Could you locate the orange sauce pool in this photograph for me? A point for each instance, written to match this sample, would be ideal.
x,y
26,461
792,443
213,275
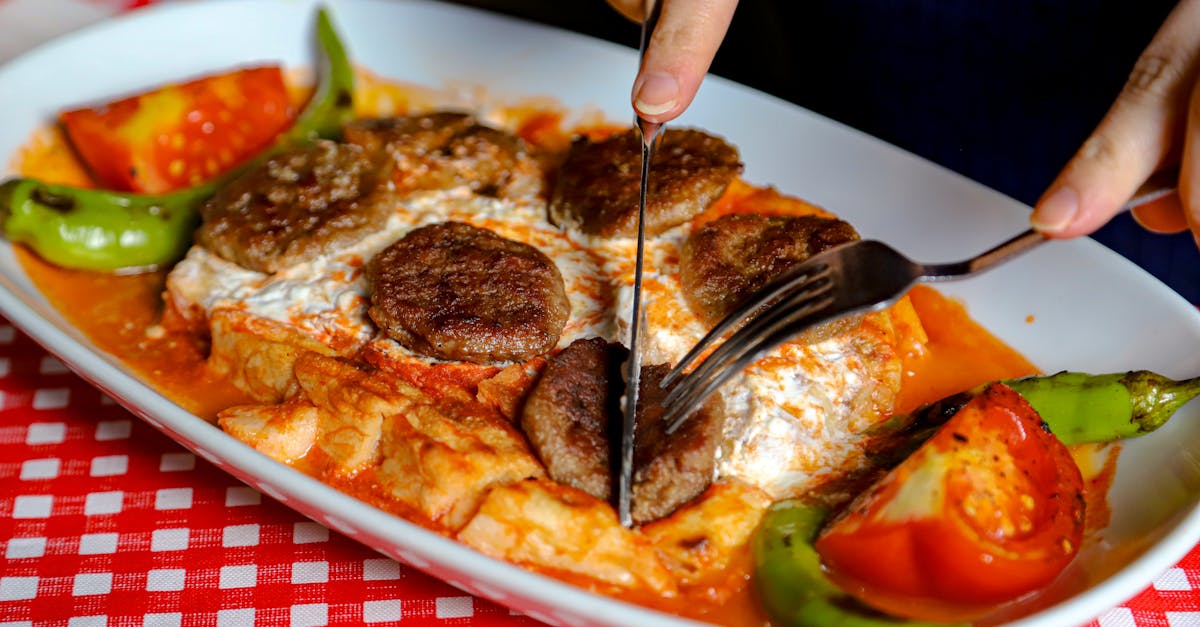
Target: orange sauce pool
x,y
959,354
122,315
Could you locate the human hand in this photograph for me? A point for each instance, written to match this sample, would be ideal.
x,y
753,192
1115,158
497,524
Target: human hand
x,y
678,55
1154,123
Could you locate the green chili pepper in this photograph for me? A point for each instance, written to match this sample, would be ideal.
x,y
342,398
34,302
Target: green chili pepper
x,y
1084,408
125,232
99,230
791,584
1078,407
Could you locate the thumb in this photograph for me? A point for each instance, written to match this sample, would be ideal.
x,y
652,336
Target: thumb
x,y
679,53
1138,134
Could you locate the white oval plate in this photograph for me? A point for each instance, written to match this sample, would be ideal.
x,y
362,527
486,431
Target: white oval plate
x,y
1068,305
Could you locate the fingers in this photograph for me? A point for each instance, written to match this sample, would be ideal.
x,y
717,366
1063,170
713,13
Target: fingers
x,y
679,54
1138,135
1189,171
1164,216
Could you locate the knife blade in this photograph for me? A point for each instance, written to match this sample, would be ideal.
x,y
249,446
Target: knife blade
x,y
649,132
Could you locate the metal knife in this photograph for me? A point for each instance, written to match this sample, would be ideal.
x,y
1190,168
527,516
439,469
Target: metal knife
x,y
633,366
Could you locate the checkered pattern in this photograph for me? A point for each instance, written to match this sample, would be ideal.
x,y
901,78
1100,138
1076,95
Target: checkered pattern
x,y
1172,600
104,521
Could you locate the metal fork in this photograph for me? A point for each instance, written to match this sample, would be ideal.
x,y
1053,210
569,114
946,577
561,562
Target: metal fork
x,y
857,277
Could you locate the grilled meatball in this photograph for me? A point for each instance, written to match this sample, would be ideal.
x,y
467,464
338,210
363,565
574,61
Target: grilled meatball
x,y
728,259
567,414
457,292
299,205
445,150
573,415
670,470
597,187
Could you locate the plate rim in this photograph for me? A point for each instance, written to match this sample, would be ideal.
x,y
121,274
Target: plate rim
x,y
89,363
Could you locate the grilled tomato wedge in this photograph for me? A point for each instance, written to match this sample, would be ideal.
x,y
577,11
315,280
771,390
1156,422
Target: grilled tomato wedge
x,y
180,135
988,509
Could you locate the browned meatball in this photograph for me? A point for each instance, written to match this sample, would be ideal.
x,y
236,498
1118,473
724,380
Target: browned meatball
x,y
445,150
573,417
597,187
567,414
728,259
457,292
299,205
670,470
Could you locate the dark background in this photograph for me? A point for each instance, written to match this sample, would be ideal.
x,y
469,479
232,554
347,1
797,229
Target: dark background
x,y
1002,91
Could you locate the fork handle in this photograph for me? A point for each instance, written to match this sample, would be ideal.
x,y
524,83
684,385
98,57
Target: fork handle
x,y
984,260
1157,186
1005,251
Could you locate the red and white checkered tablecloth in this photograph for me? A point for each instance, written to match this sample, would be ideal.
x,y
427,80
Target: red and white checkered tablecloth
x,y
106,522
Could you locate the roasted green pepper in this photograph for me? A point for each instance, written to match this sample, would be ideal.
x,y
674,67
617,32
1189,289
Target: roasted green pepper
x,y
1083,408
791,584
1078,407
124,232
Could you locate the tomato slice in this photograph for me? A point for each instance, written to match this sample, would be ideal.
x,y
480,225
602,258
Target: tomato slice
x,y
988,509
180,135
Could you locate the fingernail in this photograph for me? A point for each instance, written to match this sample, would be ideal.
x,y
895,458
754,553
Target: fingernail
x,y
1056,211
656,93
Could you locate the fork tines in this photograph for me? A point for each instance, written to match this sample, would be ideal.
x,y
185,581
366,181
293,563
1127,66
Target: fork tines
x,y
772,316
